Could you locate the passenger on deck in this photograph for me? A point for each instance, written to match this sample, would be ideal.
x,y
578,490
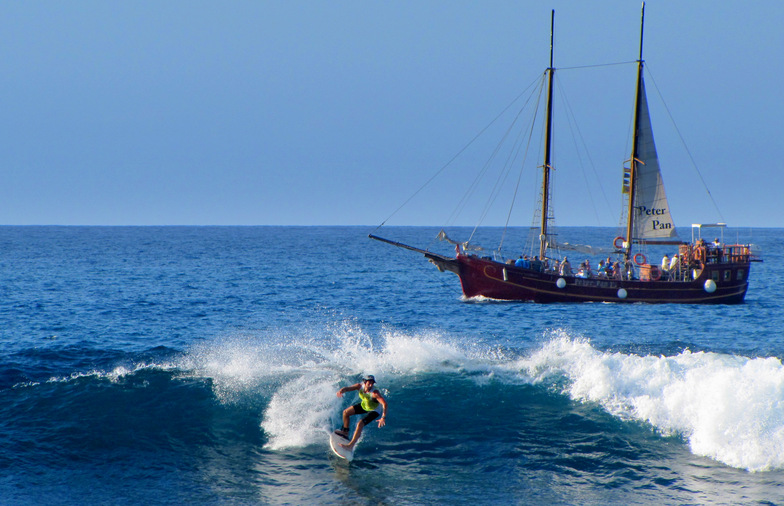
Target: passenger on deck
x,y
536,264
601,271
718,251
585,270
617,274
674,264
566,267
665,265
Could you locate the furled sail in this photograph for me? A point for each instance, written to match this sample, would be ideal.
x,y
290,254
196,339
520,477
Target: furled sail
x,y
652,219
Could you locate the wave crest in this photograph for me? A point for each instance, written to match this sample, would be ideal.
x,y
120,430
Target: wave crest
x,y
729,408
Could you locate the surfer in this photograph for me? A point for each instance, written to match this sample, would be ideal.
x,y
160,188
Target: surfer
x,y
370,400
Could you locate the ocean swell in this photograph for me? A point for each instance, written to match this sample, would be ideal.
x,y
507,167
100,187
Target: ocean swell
x,y
728,408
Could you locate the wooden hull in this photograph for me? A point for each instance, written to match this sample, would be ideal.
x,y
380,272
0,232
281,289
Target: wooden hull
x,y
487,278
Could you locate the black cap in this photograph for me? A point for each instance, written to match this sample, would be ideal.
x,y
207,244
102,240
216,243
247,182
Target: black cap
x,y
369,377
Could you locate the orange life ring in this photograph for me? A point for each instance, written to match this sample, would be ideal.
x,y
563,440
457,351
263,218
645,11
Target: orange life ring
x,y
699,253
655,273
637,256
619,238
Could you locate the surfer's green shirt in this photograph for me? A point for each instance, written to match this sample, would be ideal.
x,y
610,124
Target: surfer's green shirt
x,y
368,403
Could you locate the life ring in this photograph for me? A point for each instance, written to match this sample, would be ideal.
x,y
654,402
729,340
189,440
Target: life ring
x,y
655,273
699,254
637,257
619,238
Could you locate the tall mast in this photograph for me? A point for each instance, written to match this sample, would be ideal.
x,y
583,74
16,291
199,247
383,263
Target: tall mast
x,y
547,141
635,156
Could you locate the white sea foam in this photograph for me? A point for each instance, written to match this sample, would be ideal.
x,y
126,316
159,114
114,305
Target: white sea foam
x,y
302,372
728,408
306,406
300,411
115,375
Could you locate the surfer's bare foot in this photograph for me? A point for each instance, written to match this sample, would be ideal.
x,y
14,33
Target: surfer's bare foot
x,y
347,447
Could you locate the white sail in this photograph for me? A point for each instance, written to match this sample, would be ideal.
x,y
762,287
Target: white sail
x,y
652,219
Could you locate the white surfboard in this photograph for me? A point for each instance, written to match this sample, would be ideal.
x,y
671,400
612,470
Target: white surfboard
x,y
343,453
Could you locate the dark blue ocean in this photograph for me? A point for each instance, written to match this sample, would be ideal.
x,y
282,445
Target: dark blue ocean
x,y
199,365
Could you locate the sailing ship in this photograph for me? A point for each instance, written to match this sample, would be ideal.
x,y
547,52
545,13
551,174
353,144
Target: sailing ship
x,y
700,272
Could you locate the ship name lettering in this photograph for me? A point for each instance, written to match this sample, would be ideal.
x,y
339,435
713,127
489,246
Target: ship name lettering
x,y
651,211
658,225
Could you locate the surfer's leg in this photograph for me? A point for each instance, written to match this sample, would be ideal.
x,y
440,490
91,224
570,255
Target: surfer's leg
x,y
355,438
372,416
361,425
347,414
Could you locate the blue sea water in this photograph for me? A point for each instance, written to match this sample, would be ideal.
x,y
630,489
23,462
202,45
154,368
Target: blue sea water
x,y
199,365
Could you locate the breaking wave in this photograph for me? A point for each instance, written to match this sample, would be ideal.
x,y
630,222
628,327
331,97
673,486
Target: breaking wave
x,y
728,408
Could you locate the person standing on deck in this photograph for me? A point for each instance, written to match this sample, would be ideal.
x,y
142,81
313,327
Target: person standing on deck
x,y
566,267
674,265
370,399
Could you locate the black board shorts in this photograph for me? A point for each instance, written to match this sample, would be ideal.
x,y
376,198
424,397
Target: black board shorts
x,y
359,410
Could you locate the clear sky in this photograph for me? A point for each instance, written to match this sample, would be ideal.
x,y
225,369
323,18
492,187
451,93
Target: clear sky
x,y
335,112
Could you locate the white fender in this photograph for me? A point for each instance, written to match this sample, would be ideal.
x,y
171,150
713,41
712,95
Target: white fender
x,y
561,283
622,293
710,286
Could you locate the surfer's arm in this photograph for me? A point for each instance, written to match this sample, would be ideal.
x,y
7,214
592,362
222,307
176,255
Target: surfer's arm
x,y
349,389
380,398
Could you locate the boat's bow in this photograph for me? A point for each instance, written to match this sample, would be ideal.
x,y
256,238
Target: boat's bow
x,y
443,263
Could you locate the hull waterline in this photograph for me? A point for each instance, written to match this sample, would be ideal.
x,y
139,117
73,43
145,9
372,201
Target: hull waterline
x,y
495,280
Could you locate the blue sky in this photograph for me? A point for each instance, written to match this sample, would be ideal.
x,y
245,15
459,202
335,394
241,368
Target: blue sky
x,y
334,113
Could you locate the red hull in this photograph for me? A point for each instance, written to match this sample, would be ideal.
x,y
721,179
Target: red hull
x,y
487,278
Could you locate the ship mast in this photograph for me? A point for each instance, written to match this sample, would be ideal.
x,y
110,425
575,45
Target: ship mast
x,y
547,141
635,155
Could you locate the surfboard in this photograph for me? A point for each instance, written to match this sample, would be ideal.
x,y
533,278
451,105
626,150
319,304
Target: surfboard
x,y
334,443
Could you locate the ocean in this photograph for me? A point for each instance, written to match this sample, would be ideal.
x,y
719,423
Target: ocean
x,y
200,365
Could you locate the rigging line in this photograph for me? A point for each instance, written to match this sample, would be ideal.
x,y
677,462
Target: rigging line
x,y
572,126
534,229
480,175
472,188
596,65
506,166
503,176
447,164
520,173
575,127
623,196
474,185
683,141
